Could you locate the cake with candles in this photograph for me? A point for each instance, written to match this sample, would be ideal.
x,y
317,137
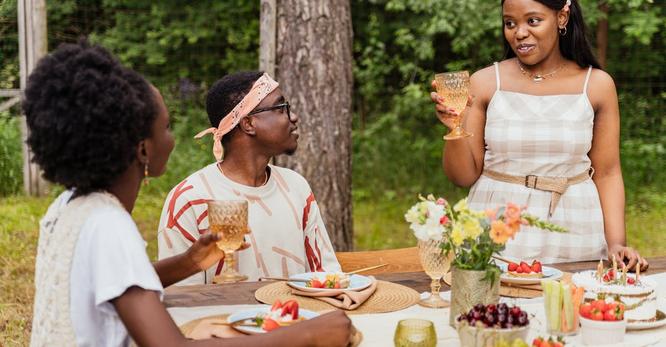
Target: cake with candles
x,y
638,294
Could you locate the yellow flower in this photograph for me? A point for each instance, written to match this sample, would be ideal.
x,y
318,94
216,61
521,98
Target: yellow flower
x,y
457,236
461,206
472,228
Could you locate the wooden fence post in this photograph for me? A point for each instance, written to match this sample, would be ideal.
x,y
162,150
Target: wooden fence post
x,y
32,46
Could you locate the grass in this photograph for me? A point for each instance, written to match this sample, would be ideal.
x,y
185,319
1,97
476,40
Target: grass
x,y
378,225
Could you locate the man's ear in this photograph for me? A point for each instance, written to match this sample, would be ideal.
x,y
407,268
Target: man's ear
x,y
246,125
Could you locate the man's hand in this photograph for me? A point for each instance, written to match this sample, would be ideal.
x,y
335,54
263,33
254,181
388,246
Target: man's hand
x,y
204,253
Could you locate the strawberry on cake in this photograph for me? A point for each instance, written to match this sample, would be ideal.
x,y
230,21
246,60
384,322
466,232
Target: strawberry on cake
x,y
637,294
525,270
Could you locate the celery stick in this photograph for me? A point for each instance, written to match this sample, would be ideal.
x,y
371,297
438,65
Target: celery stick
x,y
568,306
555,306
546,286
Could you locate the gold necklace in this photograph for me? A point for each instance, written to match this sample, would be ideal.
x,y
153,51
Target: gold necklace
x,y
536,78
219,167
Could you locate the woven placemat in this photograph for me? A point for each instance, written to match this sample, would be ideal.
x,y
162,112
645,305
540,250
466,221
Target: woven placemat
x,y
188,327
388,297
527,291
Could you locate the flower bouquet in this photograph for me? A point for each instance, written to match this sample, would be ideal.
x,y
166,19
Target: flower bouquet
x,y
471,238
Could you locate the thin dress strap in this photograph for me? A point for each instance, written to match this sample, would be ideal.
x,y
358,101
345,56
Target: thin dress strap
x,y
587,79
497,75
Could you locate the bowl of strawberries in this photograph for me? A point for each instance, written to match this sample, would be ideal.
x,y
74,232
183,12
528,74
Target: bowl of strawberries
x,y
602,322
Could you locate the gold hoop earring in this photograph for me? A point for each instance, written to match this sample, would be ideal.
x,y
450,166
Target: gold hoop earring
x,y
562,31
145,174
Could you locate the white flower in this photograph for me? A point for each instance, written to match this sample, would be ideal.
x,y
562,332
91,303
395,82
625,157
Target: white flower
x,y
424,218
420,231
413,215
435,213
434,232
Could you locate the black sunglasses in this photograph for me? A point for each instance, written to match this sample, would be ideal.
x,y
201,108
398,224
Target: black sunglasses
x,y
284,106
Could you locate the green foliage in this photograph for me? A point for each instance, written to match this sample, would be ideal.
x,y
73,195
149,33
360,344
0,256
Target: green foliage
x,y
11,169
187,119
400,44
169,40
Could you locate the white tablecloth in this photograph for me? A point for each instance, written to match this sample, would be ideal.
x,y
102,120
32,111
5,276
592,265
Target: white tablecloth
x,y
378,328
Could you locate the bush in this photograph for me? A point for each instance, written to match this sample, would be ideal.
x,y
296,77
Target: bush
x,y
11,172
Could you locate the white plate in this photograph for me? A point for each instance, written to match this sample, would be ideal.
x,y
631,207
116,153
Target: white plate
x,y
661,321
356,282
252,313
548,273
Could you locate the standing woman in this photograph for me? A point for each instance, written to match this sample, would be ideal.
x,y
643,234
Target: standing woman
x,y
100,129
546,128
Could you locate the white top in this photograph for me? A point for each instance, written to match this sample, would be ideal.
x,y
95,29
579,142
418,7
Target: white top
x,y
109,258
288,234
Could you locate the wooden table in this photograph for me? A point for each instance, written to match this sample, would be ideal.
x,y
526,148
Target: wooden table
x,y
243,293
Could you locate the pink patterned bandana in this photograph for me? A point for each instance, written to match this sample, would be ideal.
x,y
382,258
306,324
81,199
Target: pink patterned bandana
x,y
260,89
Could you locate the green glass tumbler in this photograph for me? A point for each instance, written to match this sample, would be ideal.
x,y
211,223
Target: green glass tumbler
x,y
415,333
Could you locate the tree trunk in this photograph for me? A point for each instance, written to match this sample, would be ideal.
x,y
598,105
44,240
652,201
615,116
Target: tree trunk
x,y
314,68
267,36
602,34
32,47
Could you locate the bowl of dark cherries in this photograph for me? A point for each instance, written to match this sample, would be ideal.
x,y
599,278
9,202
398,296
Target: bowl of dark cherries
x,y
485,325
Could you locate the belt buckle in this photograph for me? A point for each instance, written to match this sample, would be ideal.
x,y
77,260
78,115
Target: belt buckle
x,y
528,181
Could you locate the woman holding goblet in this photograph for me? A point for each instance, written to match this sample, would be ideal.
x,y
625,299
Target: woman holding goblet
x,y
99,129
546,135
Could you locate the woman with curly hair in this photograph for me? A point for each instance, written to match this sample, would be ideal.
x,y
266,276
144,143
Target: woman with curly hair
x,y
99,129
546,131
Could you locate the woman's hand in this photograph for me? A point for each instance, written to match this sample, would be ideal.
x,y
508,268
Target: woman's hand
x,y
204,253
328,330
623,252
445,114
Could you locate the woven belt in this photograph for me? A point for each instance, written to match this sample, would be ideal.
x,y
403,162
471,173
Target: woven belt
x,y
556,185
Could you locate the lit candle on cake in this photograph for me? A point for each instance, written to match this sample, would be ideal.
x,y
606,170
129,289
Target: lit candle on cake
x,y
624,273
614,266
600,270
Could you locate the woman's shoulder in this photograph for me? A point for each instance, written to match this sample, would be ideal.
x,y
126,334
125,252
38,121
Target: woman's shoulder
x,y
485,73
601,79
483,82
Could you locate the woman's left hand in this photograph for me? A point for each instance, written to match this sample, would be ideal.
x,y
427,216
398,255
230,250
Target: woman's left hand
x,y
204,253
623,252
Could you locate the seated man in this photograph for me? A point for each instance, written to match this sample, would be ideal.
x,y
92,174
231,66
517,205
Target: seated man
x,y
254,124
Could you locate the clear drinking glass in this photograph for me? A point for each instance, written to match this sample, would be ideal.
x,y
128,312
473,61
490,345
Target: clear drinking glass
x,y
415,333
436,265
453,87
229,219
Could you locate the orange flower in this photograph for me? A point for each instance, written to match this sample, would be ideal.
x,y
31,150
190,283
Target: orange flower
x,y
491,214
513,227
512,213
500,232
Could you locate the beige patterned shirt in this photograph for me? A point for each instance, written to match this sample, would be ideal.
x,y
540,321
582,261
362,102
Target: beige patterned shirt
x,y
288,234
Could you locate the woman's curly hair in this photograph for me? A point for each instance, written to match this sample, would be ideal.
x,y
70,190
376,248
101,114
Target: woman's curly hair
x,y
86,114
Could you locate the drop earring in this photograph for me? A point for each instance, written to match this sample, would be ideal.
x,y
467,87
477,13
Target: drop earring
x,y
145,174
